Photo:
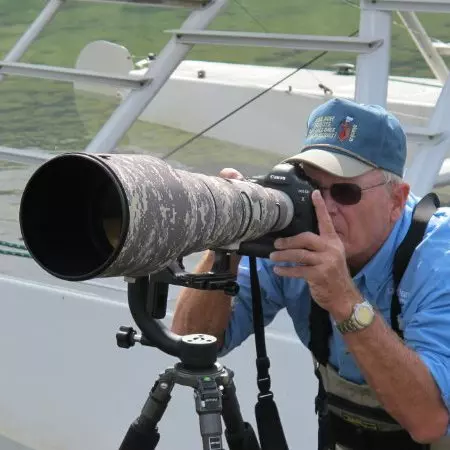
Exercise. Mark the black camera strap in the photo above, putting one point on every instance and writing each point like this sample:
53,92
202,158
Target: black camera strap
270,430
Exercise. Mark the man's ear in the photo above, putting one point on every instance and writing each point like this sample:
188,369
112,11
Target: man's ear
400,194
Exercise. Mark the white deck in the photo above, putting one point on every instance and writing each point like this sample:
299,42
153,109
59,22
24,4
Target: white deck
409,90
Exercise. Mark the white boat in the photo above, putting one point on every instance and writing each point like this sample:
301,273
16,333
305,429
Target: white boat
64,382
225,87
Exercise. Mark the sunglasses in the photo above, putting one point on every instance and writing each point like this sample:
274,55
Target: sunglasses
346,193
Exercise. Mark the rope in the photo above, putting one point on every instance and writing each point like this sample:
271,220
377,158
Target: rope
12,252
12,245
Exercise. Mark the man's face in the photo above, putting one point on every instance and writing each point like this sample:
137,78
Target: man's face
362,227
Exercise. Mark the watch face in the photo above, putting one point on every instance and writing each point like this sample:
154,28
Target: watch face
364,314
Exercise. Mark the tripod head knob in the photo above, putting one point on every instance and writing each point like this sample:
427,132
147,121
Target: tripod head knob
198,351
125,337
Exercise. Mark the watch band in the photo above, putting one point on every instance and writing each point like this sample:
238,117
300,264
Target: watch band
362,316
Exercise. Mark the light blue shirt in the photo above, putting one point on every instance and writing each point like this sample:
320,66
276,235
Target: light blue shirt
424,294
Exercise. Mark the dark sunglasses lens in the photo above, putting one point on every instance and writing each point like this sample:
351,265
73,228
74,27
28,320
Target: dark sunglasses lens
346,193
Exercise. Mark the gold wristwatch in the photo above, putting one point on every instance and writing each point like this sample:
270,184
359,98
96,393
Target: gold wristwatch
362,316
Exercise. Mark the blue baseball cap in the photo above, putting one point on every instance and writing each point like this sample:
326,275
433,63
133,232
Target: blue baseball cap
347,139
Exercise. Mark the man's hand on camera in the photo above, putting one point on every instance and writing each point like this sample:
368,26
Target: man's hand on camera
321,262
231,174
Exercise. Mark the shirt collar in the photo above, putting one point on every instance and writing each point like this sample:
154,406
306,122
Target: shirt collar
375,273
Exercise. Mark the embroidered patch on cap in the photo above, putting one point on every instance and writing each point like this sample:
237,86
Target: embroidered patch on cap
322,128
347,129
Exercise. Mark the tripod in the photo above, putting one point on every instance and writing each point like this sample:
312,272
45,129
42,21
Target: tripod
214,389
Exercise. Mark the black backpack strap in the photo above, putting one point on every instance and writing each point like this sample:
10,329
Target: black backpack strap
319,321
320,333
422,213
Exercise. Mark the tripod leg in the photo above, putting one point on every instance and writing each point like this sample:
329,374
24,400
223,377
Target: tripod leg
239,434
143,432
208,404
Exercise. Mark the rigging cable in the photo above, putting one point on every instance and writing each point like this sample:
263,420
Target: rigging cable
252,99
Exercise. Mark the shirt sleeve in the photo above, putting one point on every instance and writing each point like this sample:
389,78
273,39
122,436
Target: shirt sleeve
241,322
427,327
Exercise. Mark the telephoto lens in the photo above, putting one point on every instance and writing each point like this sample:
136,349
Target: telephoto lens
102,215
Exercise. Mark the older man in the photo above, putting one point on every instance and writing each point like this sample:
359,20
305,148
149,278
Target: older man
386,389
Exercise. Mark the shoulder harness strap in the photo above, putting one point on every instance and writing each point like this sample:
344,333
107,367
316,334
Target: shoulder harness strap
319,319
422,213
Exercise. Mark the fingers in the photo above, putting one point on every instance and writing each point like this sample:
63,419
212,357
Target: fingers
306,240
296,256
231,174
294,272
324,221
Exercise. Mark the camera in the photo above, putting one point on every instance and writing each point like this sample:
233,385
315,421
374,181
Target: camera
102,215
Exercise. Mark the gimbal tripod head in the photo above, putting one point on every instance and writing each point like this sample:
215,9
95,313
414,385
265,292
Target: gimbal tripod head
147,300
214,390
